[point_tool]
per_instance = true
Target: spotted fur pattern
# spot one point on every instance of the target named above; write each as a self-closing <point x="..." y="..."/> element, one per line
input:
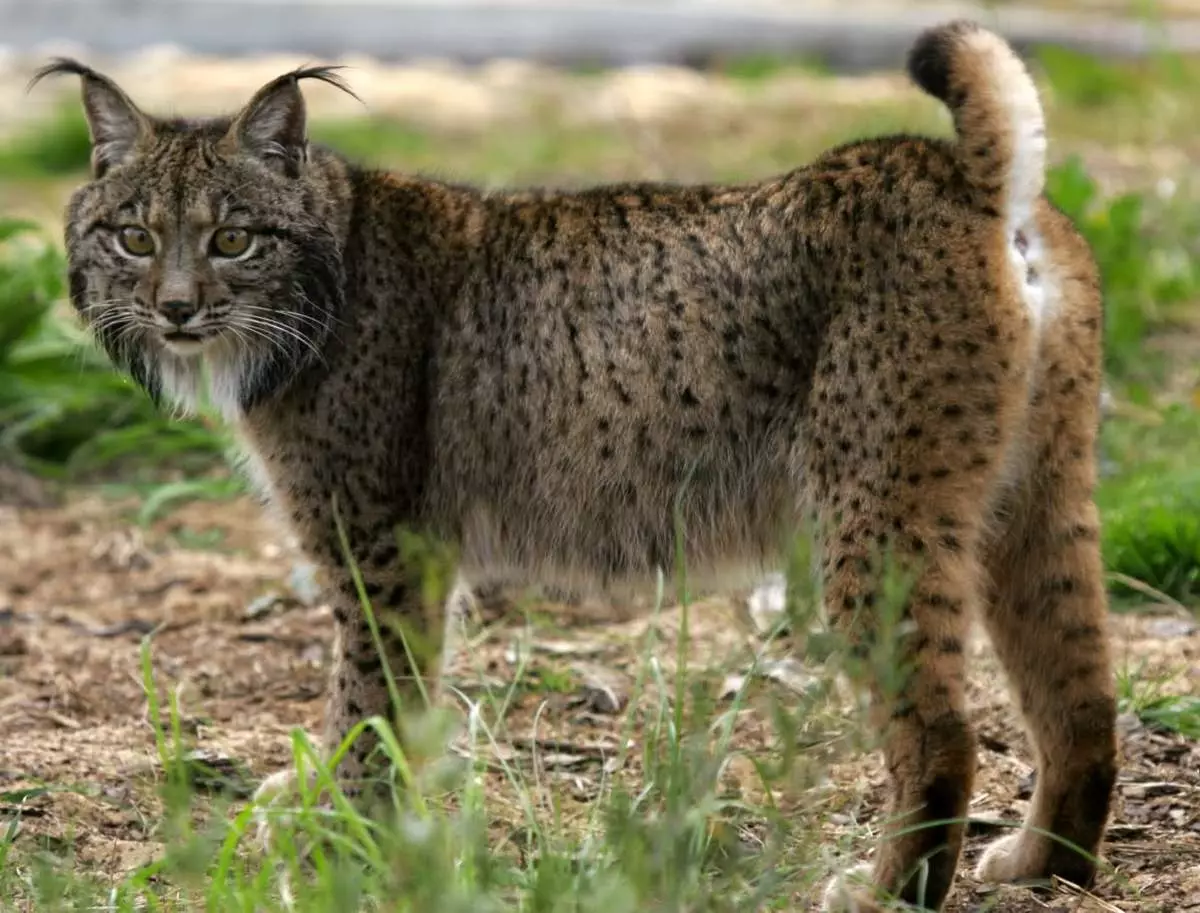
<point x="900" y="340"/>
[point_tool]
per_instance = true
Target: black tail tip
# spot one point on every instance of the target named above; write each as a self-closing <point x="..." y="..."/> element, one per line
<point x="932" y="55"/>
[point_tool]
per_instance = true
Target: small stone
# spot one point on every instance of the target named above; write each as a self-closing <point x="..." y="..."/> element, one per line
<point x="303" y="583"/>
<point x="212" y="771"/>
<point x="12" y="643"/>
<point x="1026" y="785"/>
<point x="768" y="603"/>
<point x="1128" y="724"/>
<point x="732" y="685"/>
<point x="262" y="606"/>
<point x="603" y="690"/>
<point x="1149" y="790"/>
<point x="790" y="673"/>
<point x="1171" y="628"/>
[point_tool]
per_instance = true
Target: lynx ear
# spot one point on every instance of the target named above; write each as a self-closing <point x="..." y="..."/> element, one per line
<point x="274" y="125"/>
<point x="114" y="121"/>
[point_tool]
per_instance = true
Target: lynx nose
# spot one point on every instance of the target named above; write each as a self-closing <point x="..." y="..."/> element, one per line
<point x="177" y="311"/>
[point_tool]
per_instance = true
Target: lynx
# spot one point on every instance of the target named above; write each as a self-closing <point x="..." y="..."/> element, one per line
<point x="899" y="342"/>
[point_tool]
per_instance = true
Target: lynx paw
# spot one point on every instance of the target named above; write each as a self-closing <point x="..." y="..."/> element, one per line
<point x="1032" y="860"/>
<point x="850" y="892"/>
<point x="279" y="789"/>
<point x="273" y="788"/>
<point x="1003" y="862"/>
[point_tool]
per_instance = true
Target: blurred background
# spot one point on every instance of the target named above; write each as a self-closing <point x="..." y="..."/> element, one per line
<point x="102" y="498"/>
<point x="579" y="91"/>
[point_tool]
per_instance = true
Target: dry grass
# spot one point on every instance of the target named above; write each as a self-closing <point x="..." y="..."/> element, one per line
<point x="85" y="585"/>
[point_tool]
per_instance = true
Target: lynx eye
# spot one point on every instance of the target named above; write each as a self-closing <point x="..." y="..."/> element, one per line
<point x="136" y="241"/>
<point x="230" y="242"/>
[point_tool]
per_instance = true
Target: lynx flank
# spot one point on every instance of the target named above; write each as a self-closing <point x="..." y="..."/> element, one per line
<point x="899" y="342"/>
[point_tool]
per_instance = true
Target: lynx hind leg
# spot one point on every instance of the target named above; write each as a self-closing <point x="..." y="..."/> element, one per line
<point x="919" y="407"/>
<point x="905" y="467"/>
<point x="919" y="488"/>
<point x="919" y="703"/>
<point x="1047" y="616"/>
<point x="1047" y="621"/>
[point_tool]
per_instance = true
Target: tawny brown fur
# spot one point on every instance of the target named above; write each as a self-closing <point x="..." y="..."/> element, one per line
<point x="900" y="340"/>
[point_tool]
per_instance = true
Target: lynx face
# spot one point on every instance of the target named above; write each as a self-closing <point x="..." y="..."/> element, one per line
<point x="195" y="250"/>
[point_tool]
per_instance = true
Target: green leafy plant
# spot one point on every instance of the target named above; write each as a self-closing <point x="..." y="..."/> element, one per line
<point x="1145" y="269"/>
<point x="54" y="145"/>
<point x="63" y="410"/>
<point x="1155" y="706"/>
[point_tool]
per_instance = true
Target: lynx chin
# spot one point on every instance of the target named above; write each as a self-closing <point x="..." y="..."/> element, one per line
<point x="898" y="343"/>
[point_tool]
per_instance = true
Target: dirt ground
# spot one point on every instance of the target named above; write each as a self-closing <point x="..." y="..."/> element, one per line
<point x="81" y="584"/>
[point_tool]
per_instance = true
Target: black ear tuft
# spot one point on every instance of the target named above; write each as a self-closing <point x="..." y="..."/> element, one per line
<point x="274" y="124"/>
<point x="326" y="74"/>
<point x="59" y="65"/>
<point x="114" y="121"/>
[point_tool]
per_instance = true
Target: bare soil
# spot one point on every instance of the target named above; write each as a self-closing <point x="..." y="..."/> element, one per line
<point x="81" y="585"/>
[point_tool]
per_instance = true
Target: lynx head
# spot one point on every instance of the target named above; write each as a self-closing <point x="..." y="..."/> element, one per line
<point x="205" y="246"/>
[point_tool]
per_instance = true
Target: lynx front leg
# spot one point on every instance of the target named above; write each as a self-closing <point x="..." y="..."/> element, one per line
<point x="358" y="685"/>
<point x="407" y="643"/>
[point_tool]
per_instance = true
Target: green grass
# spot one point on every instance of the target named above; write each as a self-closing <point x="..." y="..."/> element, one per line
<point x="757" y="68"/>
<point x="1087" y="83"/>
<point x="507" y="155"/>
<point x="668" y="831"/>
<point x="369" y="139"/>
<point x="1150" y="493"/>
<point x="1144" y="102"/>
<point x="1150" y="502"/>
<point x="1148" y="264"/>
